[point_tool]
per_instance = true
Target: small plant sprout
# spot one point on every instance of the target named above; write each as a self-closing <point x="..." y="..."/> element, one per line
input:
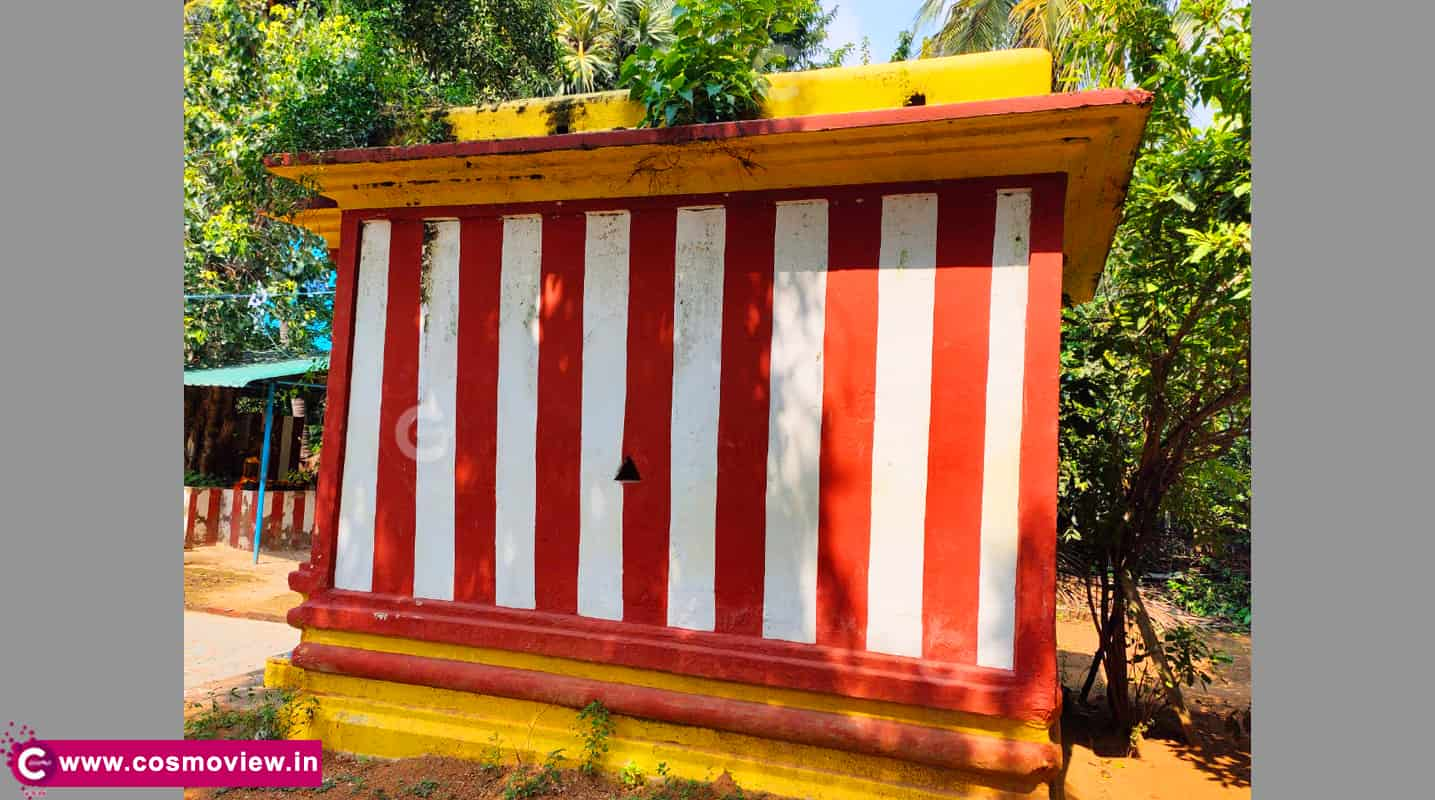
<point x="523" y="784"/>
<point x="493" y="756"/>
<point x="631" y="775"/>
<point x="596" y="728"/>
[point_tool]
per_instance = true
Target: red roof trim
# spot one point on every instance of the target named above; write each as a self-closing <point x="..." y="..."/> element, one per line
<point x="718" y="130"/>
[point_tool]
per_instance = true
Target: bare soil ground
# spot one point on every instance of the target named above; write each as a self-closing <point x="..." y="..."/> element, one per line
<point x="1099" y="765"/>
<point x="219" y="579"/>
<point x="440" y="778"/>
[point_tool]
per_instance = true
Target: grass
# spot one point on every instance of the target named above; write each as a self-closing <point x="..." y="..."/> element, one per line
<point x="277" y="715"/>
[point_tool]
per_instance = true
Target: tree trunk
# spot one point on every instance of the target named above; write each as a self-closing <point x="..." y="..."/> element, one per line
<point x="1158" y="655"/>
<point x="1118" y="690"/>
<point x="225" y="463"/>
<point x="204" y="461"/>
<point x="192" y="422"/>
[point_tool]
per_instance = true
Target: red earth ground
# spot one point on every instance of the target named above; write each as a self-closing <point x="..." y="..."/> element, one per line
<point x="1099" y="765"/>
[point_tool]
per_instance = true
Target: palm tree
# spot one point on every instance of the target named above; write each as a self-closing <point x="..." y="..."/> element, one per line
<point x="975" y="26"/>
<point x="597" y="35"/>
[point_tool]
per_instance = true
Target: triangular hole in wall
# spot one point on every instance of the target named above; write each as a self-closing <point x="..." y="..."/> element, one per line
<point x="628" y="473"/>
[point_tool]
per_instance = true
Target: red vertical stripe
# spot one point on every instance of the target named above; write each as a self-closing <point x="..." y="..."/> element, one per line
<point x="274" y="520"/>
<point x="647" y="422"/>
<point x="560" y="399"/>
<point x="849" y="379"/>
<point x="742" y="418"/>
<point x="475" y="460"/>
<point x="1036" y="505"/>
<point x="296" y="519"/>
<point x="336" y="410"/>
<point x="236" y="517"/>
<point x="966" y="225"/>
<point x="394" y="495"/>
<point x="211" y="528"/>
<point x="189" y="516"/>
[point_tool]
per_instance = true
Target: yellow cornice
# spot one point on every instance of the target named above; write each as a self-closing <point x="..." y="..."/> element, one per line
<point x="986" y="115"/>
<point x="933" y="81"/>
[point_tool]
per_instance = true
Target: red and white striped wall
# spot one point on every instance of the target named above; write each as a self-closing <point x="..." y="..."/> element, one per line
<point x="226" y="516"/>
<point x="840" y="404"/>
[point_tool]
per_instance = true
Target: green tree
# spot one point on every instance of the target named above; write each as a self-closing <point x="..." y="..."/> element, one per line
<point x="473" y="51"/>
<point x="805" y="45"/>
<point x="261" y="78"/>
<point x="258" y="80"/>
<point x="716" y="66"/>
<point x="597" y="36"/>
<point x="977" y="26"/>
<point x="1156" y="368"/>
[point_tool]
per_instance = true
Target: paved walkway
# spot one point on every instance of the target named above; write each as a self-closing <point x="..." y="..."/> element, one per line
<point x="218" y="648"/>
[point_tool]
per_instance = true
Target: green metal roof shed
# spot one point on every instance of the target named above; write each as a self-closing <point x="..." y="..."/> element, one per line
<point x="244" y="374"/>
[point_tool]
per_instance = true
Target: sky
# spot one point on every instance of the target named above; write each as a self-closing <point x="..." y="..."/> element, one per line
<point x="881" y="20"/>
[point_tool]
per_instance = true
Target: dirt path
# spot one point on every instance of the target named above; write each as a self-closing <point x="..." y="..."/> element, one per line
<point x="222" y="580"/>
<point x="217" y="648"/>
<point x="1100" y="767"/>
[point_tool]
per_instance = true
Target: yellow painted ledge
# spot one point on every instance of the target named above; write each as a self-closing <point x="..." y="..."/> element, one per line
<point x="788" y="698"/>
<point x="874" y="87"/>
<point x="392" y="720"/>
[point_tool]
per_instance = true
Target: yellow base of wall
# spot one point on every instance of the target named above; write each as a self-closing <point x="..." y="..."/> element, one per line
<point x="393" y="720"/>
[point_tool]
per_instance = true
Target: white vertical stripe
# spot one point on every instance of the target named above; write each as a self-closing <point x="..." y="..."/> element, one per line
<point x="184" y="521"/>
<point x="516" y="478"/>
<point x="697" y="375"/>
<point x="799" y="310"/>
<point x="309" y="501"/>
<point x="1001" y="459"/>
<point x="201" y="514"/>
<point x="605" y="370"/>
<point x="354" y="561"/>
<point x="246" y="528"/>
<point x="902" y="412"/>
<point x="438" y="396"/>
<point x="226" y="513"/>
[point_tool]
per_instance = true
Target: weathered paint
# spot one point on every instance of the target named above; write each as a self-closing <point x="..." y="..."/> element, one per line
<point x="647" y="434"/>
<point x="901" y="419"/>
<point x="938" y="747"/>
<point x="517" y="392"/>
<point x="354" y="554"/>
<point x="696" y="378"/>
<point x="829" y="551"/>
<point x="1001" y="451"/>
<point x="935" y="81"/>
<point x="945" y="719"/>
<point x="388" y="719"/>
<point x="821" y="344"/>
<point x="1090" y="136"/>
<point x="476" y="429"/>
<point x="395" y="498"/>
<point x="794" y="422"/>
<point x="604" y="358"/>
<point x="226" y="516"/>
<point x="434" y="447"/>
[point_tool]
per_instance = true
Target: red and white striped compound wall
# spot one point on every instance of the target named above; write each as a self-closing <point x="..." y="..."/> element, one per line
<point x="841" y="403"/>
<point x="226" y="516"/>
